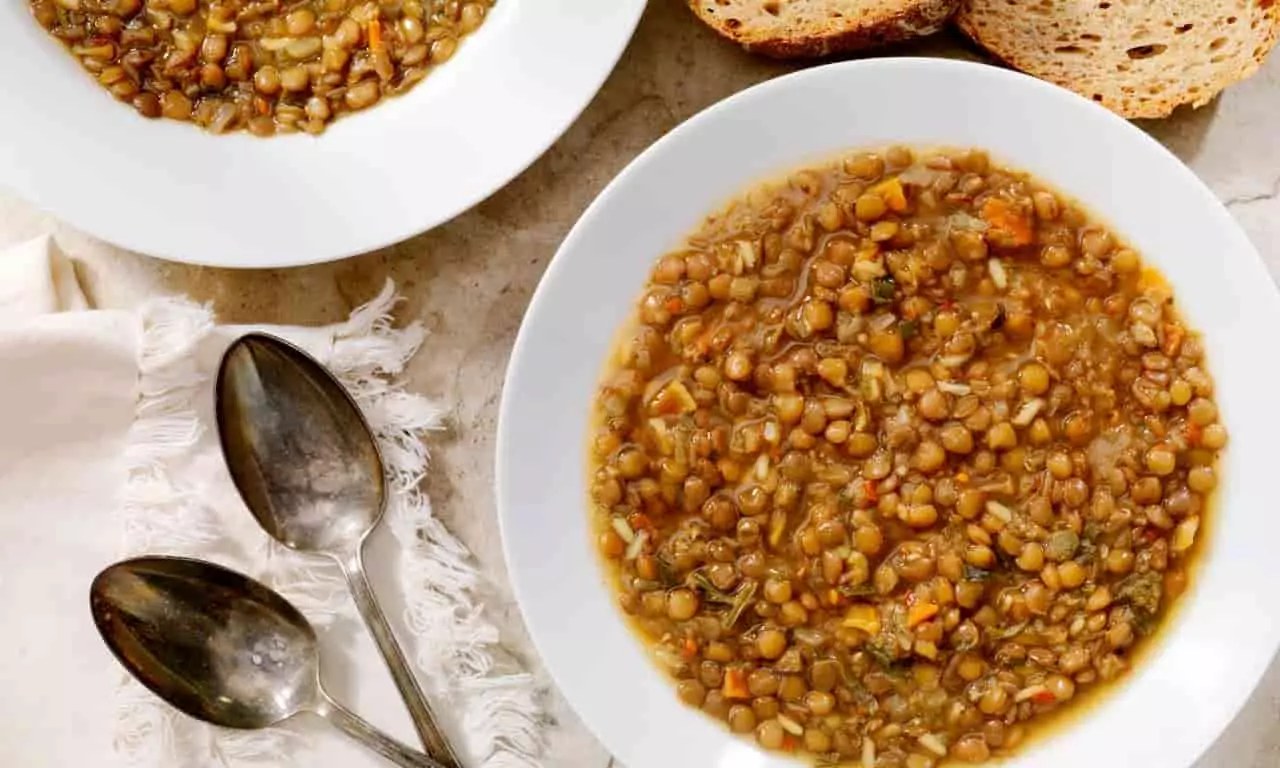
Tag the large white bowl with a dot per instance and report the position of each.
(171, 190)
(1183, 694)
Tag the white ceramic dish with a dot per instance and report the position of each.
(1203, 667)
(171, 190)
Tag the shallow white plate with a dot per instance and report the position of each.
(1203, 668)
(171, 190)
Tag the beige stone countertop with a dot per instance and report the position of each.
(471, 279)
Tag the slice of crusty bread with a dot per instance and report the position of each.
(1139, 58)
(807, 28)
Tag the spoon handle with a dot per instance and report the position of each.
(351, 724)
(419, 710)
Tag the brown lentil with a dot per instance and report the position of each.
(258, 65)
(911, 509)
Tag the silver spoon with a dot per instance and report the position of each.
(222, 648)
(307, 465)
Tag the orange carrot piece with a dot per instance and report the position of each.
(1194, 433)
(735, 684)
(1012, 227)
(1173, 336)
(920, 613)
(375, 35)
(665, 406)
(690, 648)
(894, 196)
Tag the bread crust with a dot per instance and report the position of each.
(918, 18)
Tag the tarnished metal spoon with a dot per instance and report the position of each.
(308, 467)
(222, 648)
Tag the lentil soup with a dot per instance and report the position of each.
(899, 457)
(265, 66)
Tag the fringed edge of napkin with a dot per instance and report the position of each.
(158, 515)
(501, 706)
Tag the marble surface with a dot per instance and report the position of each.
(471, 279)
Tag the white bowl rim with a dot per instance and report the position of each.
(1241, 659)
(371, 180)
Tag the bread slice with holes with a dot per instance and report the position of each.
(1139, 58)
(788, 29)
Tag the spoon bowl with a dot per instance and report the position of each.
(244, 656)
(298, 448)
(222, 648)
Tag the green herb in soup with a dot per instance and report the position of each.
(899, 457)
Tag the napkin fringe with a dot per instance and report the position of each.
(501, 713)
(499, 708)
(163, 516)
(158, 512)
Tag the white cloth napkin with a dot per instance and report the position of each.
(107, 450)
